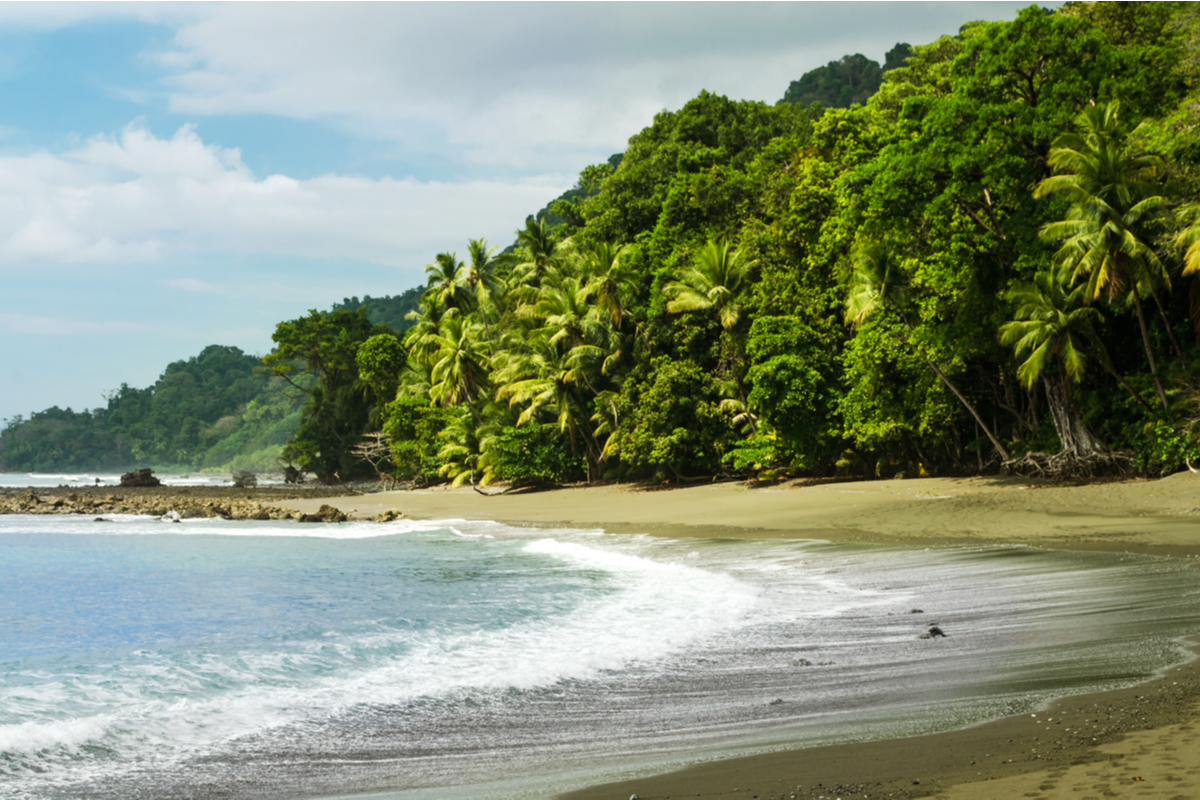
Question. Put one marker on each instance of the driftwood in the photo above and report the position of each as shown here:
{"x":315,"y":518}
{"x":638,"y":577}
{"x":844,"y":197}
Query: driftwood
{"x":505,"y":490}
{"x":1070,"y":466}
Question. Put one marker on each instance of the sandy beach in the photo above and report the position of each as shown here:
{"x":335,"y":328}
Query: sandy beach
{"x":1137,"y":742}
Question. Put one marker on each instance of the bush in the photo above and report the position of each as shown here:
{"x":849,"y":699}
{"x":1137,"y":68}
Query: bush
{"x":535,"y":455}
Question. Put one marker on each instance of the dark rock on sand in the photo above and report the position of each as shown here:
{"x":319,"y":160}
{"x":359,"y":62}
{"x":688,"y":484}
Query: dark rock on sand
{"x":933,"y":633}
{"x":326,"y":513}
{"x":140,"y":478}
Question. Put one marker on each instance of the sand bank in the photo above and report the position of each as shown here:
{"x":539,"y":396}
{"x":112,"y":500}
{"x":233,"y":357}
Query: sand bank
{"x":1139,"y":742}
{"x":1159,"y":517}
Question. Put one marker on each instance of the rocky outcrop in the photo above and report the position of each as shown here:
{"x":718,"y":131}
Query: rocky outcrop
{"x":166,"y":507}
{"x":140,"y":478}
{"x":245,"y":480}
{"x":326,"y":513}
{"x":391,"y":515}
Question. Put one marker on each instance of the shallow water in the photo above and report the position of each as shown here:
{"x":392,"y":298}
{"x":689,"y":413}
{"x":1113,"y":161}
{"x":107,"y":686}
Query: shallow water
{"x":39,"y":480}
{"x":273,"y":659}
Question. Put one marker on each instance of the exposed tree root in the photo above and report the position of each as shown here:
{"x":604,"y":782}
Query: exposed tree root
{"x":1070,"y":466}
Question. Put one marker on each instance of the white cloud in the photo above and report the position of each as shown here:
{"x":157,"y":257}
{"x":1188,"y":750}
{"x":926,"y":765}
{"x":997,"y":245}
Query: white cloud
{"x":136,"y":198}
{"x":519,"y":84}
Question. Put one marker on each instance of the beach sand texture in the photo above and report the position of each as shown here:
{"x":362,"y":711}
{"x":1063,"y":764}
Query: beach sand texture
{"x":1136,"y":743}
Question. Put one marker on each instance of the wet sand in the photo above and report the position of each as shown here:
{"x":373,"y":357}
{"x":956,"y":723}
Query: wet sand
{"x":1138,"y":742}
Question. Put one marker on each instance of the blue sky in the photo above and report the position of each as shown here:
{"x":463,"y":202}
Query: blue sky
{"x":179,"y":175}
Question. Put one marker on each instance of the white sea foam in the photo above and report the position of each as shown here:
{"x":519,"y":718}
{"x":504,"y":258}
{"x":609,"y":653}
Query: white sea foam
{"x":634,"y":619}
{"x":634,"y":610}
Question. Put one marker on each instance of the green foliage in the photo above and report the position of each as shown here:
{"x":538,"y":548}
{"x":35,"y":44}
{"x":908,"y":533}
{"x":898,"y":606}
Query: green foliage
{"x":797,"y":386}
{"x":534,"y":455}
{"x":389,"y":310}
{"x":892,"y":298}
{"x":379,"y":360}
{"x":210,"y":411}
{"x":340,"y":407}
{"x":672,"y":419}
{"x":413,"y":427}
{"x":1162,"y":448}
{"x":838,"y":84}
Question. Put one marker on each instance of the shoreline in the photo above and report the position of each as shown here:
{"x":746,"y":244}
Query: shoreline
{"x":1146,"y":737}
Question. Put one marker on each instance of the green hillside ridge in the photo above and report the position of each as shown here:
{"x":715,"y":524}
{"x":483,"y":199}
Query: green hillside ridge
{"x":989,"y":253}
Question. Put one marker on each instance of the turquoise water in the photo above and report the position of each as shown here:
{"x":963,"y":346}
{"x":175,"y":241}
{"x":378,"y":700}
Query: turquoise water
{"x":140,"y":657}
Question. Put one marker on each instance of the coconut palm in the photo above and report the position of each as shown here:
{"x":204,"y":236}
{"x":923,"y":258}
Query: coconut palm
{"x":711,"y":283}
{"x":421,"y":338}
{"x":459,"y":375}
{"x":566,"y":308}
{"x":876,"y":281}
{"x":466,"y":441}
{"x":447,"y":278}
{"x":541,"y":257}
{"x":480,"y":279}
{"x":1114,"y":199}
{"x":546,"y":379}
{"x":1054,"y":327}
{"x":607,"y":279}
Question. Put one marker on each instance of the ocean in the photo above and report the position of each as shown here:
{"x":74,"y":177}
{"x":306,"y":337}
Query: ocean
{"x":145,"y":658}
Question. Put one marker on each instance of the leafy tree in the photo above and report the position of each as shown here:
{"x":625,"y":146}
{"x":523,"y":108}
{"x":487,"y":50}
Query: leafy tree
{"x":876,"y":282}
{"x":337,"y":409}
{"x":1114,"y":198}
{"x":838,"y":84}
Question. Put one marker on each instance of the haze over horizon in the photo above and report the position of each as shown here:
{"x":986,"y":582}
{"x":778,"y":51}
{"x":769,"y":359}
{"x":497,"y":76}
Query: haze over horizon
{"x":182,"y":175}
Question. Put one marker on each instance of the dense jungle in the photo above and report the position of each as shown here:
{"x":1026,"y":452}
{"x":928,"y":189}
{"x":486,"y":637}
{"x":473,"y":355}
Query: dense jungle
{"x":981,"y":254}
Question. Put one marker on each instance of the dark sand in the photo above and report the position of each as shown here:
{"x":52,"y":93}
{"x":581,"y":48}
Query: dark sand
{"x":1139,"y":742}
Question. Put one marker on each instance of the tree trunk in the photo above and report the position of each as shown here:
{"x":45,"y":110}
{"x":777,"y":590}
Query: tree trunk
{"x":1137,"y":302}
{"x":1162,"y":312}
{"x":1076,"y":439}
{"x":986,"y":429}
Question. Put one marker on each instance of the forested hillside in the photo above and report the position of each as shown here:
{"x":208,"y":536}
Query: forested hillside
{"x":993,"y":256}
{"x":987,"y":258}
{"x":213,"y":410}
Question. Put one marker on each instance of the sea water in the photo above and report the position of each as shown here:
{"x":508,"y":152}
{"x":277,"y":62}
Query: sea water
{"x":144,"y":658}
{"x":21,"y":480}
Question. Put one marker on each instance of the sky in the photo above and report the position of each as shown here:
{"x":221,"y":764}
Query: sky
{"x":179,"y":175}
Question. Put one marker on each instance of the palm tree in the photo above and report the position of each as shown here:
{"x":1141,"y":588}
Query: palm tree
{"x":464,"y":452}
{"x":878,"y":281}
{"x":566,"y":308}
{"x":421,"y":338}
{"x":447,"y":279}
{"x":541,"y":257}
{"x":1114,"y":197}
{"x":459,"y":375}
{"x":606,"y":277}
{"x":1053,"y":326}
{"x":545,"y":379}
{"x":711,"y":283}
{"x":479,"y":277}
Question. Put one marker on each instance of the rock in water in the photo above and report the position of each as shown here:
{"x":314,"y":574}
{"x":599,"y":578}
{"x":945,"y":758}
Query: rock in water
{"x":933,"y":633}
{"x":391,"y":515}
{"x":326,"y":513}
{"x":243,"y":479}
{"x":140,"y":478}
